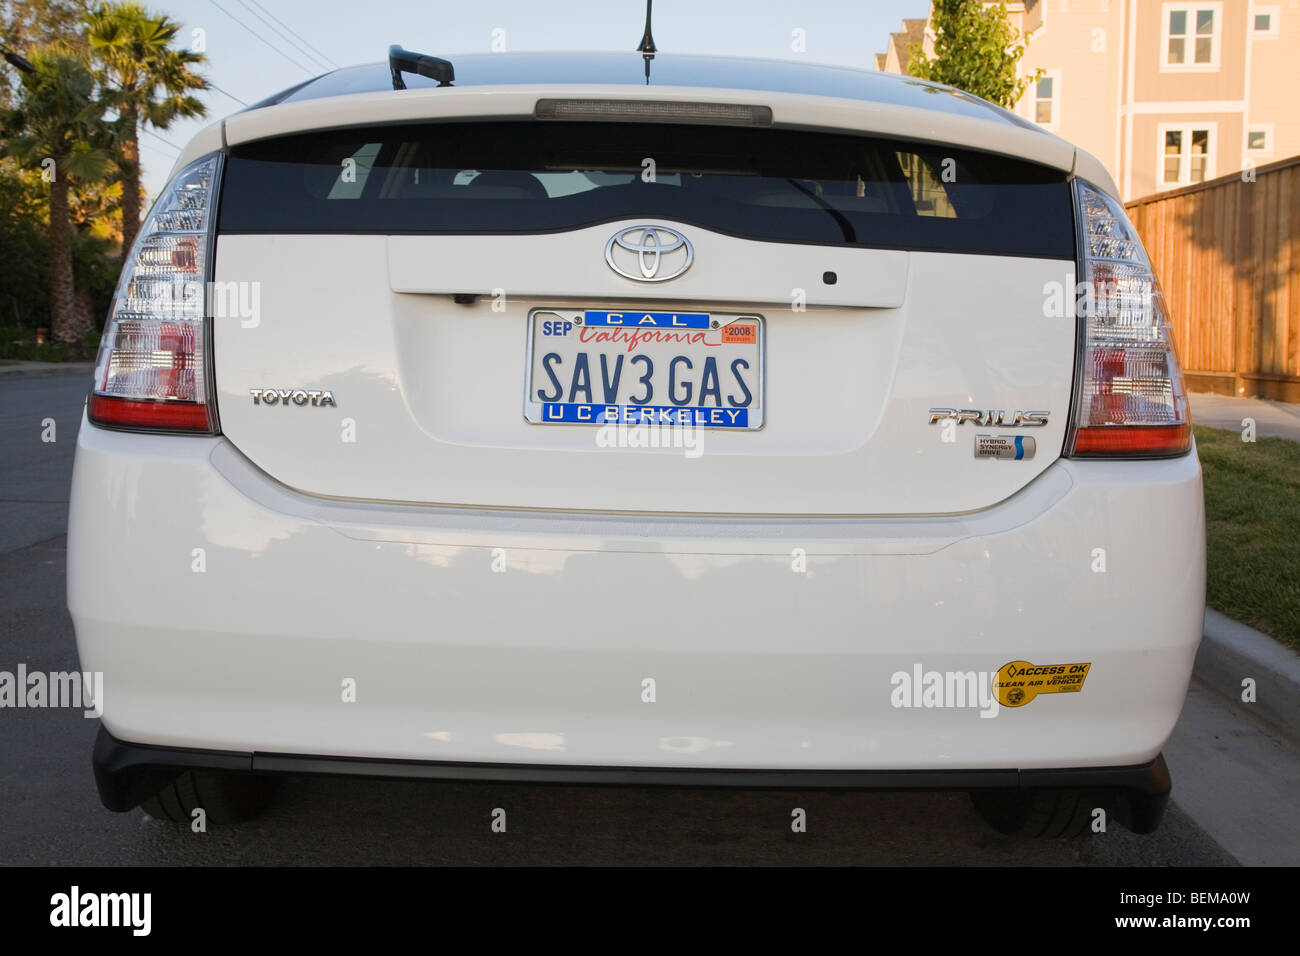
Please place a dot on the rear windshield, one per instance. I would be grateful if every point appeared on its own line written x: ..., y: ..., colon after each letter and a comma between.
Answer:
x: 537, y: 177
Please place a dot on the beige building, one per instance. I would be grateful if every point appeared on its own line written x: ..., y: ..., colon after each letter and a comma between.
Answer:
x: 1166, y: 94
x: 894, y: 59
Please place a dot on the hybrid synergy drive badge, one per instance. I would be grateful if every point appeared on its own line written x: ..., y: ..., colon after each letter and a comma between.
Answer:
x: 1014, y: 447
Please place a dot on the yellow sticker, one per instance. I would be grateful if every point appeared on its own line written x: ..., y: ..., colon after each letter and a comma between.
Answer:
x: 1020, y: 682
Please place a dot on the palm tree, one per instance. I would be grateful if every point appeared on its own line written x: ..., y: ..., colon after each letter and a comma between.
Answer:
x: 145, y: 80
x: 26, y: 24
x: 58, y: 128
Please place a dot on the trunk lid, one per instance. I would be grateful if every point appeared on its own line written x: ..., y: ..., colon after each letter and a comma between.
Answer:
x: 880, y: 290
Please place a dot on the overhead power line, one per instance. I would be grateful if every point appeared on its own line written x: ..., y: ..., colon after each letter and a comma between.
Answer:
x: 278, y: 52
x: 319, y: 55
x: 161, y: 139
x: 229, y: 96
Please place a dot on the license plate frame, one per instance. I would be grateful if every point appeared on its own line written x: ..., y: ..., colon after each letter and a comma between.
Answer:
x: 537, y: 412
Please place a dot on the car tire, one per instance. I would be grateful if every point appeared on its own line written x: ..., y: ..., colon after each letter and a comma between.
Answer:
x: 223, y: 797
x: 1036, y: 814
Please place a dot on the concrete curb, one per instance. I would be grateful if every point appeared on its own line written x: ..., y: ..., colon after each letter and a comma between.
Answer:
x: 1231, y: 652
x: 47, y: 369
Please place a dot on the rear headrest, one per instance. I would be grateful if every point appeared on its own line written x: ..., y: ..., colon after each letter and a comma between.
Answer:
x: 509, y: 179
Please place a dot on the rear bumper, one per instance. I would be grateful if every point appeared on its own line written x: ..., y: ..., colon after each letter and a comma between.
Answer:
x: 231, y: 614
x: 126, y: 774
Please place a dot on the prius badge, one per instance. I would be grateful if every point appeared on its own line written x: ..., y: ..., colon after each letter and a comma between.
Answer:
x: 649, y: 253
x: 1019, y: 447
x: 994, y: 416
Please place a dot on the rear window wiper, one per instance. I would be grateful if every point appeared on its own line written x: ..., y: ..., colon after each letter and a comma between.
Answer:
x: 846, y: 228
x: 421, y: 64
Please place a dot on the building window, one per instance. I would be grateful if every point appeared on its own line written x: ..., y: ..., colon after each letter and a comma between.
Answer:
x: 1047, y: 99
x: 1187, y: 155
x: 1259, y: 140
x: 1191, y: 36
x: 1263, y: 21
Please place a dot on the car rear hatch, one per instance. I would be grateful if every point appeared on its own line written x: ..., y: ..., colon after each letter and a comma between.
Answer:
x: 619, y: 315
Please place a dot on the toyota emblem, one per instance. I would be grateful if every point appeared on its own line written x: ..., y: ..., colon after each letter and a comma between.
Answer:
x: 649, y: 253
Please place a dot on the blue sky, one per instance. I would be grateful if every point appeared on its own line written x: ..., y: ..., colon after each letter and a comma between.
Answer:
x: 345, y: 32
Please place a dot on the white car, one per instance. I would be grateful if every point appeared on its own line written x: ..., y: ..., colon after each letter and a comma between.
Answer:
x: 528, y: 417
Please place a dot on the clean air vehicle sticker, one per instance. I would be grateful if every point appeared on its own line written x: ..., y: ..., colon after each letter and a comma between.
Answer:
x: 1019, y: 682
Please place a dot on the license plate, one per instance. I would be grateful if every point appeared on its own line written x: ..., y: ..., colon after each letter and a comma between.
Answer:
x: 600, y: 367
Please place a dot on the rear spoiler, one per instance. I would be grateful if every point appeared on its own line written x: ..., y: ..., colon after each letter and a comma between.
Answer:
x: 521, y: 101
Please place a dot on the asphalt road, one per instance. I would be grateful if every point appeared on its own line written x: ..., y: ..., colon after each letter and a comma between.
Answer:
x: 35, y: 474
x: 51, y: 814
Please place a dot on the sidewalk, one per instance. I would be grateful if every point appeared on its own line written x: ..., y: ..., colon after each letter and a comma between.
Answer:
x: 1236, y: 777
x: 1231, y: 652
x: 1272, y: 419
x: 1235, y: 762
x: 44, y: 369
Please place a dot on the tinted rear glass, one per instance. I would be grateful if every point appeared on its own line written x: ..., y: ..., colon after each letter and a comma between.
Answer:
x: 537, y: 177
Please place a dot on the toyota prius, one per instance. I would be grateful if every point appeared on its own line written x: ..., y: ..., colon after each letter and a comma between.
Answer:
x: 607, y: 418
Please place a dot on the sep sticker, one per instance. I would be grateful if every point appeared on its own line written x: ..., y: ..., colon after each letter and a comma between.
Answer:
x: 1020, y: 682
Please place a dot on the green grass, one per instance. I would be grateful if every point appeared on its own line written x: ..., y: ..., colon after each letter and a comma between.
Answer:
x: 1252, y: 516
x: 19, y: 344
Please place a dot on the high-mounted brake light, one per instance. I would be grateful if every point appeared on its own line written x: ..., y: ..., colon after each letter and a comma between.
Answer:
x: 1129, y: 399
x: 654, y: 111
x: 152, y: 365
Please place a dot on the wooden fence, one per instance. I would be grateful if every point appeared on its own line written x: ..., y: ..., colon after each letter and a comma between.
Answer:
x: 1228, y: 256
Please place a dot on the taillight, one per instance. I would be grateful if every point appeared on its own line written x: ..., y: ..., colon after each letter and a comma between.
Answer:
x: 152, y: 370
x: 1129, y: 398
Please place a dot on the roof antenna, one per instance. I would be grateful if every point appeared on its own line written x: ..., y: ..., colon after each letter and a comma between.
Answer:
x: 405, y: 61
x: 647, y: 48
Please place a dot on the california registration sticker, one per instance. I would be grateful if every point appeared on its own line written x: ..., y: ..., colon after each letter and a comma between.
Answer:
x: 739, y: 335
